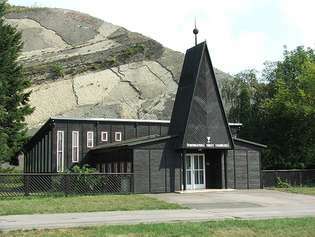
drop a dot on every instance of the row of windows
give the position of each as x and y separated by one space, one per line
75 145
114 167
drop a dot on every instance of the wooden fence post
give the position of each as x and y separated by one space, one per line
66 186
300 178
26 185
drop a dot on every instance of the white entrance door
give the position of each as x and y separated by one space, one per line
195 171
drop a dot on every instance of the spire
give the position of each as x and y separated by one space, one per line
196 31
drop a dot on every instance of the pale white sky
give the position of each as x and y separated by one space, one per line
241 34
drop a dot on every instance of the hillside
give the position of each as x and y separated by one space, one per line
81 66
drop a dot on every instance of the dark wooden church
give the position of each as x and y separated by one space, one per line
195 150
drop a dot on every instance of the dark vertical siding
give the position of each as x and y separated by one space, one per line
46 153
130 131
223 170
157 171
142 130
241 169
141 169
43 155
230 169
154 129
54 150
254 169
49 144
164 129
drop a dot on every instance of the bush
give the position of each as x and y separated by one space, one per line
57 70
85 169
281 183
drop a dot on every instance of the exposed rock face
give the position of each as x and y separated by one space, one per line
81 66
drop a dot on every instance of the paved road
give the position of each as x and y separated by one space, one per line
258 204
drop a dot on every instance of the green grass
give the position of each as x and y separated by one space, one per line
300 190
302 227
32 205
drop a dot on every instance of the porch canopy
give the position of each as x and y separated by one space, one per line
129 143
105 157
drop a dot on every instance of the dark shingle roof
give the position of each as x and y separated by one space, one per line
131 142
249 142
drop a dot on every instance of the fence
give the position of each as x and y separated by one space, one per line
12 185
293 177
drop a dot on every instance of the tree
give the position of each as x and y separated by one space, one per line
290 112
243 96
278 109
14 100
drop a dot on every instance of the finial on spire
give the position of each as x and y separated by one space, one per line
195 31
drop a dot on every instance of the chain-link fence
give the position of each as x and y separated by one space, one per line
12 185
297 177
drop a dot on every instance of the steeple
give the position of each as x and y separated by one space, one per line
198 117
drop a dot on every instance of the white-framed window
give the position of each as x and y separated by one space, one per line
104 136
90 139
118 136
75 146
60 150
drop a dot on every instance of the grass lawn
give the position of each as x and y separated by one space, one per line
31 205
302 227
301 190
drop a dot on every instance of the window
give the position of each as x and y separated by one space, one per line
104 136
118 136
89 139
60 151
75 146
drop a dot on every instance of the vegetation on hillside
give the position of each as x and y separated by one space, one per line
14 101
278 109
20 9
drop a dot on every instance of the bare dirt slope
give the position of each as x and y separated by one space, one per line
81 66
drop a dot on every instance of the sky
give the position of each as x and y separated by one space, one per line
241 34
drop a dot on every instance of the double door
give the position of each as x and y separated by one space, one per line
195 171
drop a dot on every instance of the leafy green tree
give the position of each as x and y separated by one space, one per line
14 100
278 109
290 112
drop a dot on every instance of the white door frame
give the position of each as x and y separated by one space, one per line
190 173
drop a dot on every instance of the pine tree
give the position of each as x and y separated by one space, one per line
14 100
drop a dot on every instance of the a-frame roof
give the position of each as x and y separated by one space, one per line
198 112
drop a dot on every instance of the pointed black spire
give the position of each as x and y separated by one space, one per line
198 117
196 31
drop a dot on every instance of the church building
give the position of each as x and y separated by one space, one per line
196 149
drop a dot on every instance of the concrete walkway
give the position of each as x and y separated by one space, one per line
45 221
258 204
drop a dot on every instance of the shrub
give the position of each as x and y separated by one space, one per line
57 70
281 183
85 169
